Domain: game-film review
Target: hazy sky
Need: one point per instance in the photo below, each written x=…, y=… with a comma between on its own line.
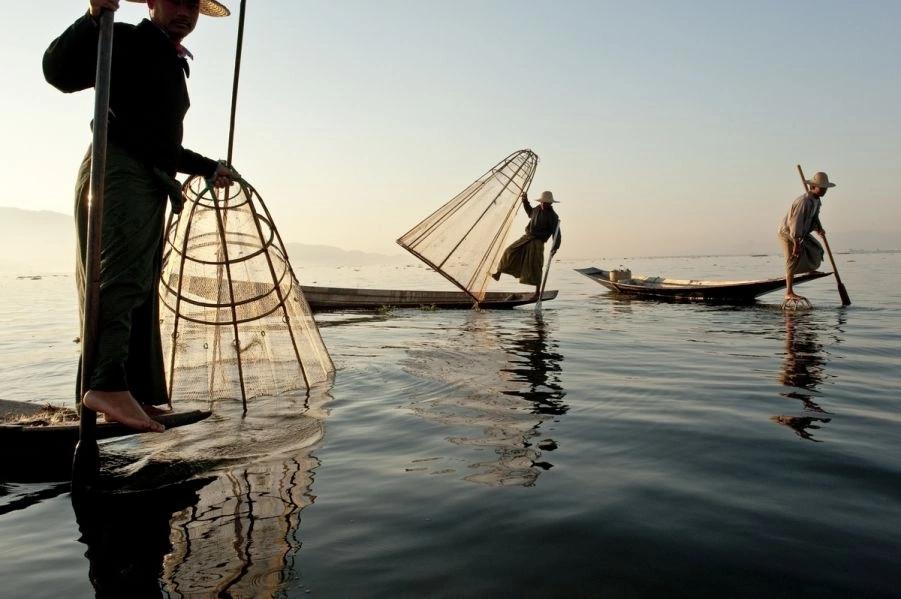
x=663, y=127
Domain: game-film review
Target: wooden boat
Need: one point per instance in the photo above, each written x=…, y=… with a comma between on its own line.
x=693, y=290
x=38, y=450
x=464, y=239
x=322, y=299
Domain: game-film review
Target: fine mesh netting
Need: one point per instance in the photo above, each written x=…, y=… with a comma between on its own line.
x=464, y=239
x=234, y=321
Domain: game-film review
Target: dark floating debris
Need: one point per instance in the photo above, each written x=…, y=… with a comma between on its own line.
x=547, y=445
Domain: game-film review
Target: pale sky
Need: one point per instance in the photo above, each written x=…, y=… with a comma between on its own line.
x=663, y=127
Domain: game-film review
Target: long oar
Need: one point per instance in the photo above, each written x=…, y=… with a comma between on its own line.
x=234, y=105
x=86, y=462
x=547, y=269
x=842, y=292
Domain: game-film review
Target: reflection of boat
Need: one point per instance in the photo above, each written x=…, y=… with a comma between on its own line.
x=691, y=289
x=340, y=298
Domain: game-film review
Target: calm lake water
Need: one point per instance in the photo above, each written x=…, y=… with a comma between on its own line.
x=606, y=448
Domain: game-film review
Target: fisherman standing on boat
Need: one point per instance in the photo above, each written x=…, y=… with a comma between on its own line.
x=525, y=256
x=148, y=102
x=802, y=252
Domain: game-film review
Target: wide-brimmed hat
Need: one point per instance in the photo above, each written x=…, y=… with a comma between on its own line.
x=547, y=198
x=820, y=180
x=210, y=8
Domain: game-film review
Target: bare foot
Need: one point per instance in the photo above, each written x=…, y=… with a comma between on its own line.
x=121, y=407
x=795, y=302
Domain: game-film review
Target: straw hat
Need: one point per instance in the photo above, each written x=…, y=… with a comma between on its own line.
x=820, y=180
x=210, y=8
x=547, y=198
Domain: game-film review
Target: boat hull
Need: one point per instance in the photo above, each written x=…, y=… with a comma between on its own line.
x=44, y=453
x=323, y=299
x=734, y=292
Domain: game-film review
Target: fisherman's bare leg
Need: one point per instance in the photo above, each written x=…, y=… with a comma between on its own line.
x=789, y=288
x=121, y=407
x=793, y=253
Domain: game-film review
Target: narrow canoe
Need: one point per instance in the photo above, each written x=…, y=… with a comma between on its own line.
x=694, y=290
x=322, y=299
x=44, y=451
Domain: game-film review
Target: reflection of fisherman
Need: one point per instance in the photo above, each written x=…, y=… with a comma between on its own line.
x=802, y=252
x=525, y=256
x=148, y=102
x=537, y=362
x=803, y=365
x=802, y=369
x=125, y=561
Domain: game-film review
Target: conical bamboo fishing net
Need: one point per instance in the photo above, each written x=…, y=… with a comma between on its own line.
x=464, y=239
x=232, y=315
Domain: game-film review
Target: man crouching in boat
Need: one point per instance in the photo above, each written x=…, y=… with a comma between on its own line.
x=525, y=256
x=148, y=102
x=802, y=252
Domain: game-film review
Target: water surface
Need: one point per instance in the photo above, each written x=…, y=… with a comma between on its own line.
x=607, y=447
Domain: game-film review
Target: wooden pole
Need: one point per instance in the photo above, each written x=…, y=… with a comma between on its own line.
x=842, y=292
x=240, y=45
x=86, y=463
x=547, y=269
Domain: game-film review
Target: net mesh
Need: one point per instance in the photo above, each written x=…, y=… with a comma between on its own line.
x=233, y=318
x=464, y=239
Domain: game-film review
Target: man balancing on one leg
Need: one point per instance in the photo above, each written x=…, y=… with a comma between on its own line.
x=802, y=252
x=148, y=102
x=525, y=256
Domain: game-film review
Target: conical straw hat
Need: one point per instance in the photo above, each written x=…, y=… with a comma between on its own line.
x=210, y=8
x=820, y=180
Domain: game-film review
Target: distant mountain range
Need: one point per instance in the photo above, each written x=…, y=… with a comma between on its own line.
x=44, y=241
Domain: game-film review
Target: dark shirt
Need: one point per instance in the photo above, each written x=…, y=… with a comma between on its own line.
x=148, y=94
x=542, y=223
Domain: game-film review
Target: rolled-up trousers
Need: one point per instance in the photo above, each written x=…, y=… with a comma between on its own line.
x=129, y=353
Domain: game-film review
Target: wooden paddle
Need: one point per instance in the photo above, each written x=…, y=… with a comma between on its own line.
x=547, y=269
x=87, y=462
x=842, y=292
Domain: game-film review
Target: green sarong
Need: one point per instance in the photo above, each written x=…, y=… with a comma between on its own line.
x=524, y=259
x=129, y=352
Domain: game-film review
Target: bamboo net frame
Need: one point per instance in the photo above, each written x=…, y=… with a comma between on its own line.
x=464, y=239
x=233, y=318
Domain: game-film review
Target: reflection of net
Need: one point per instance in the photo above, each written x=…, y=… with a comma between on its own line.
x=240, y=539
x=234, y=320
x=464, y=239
